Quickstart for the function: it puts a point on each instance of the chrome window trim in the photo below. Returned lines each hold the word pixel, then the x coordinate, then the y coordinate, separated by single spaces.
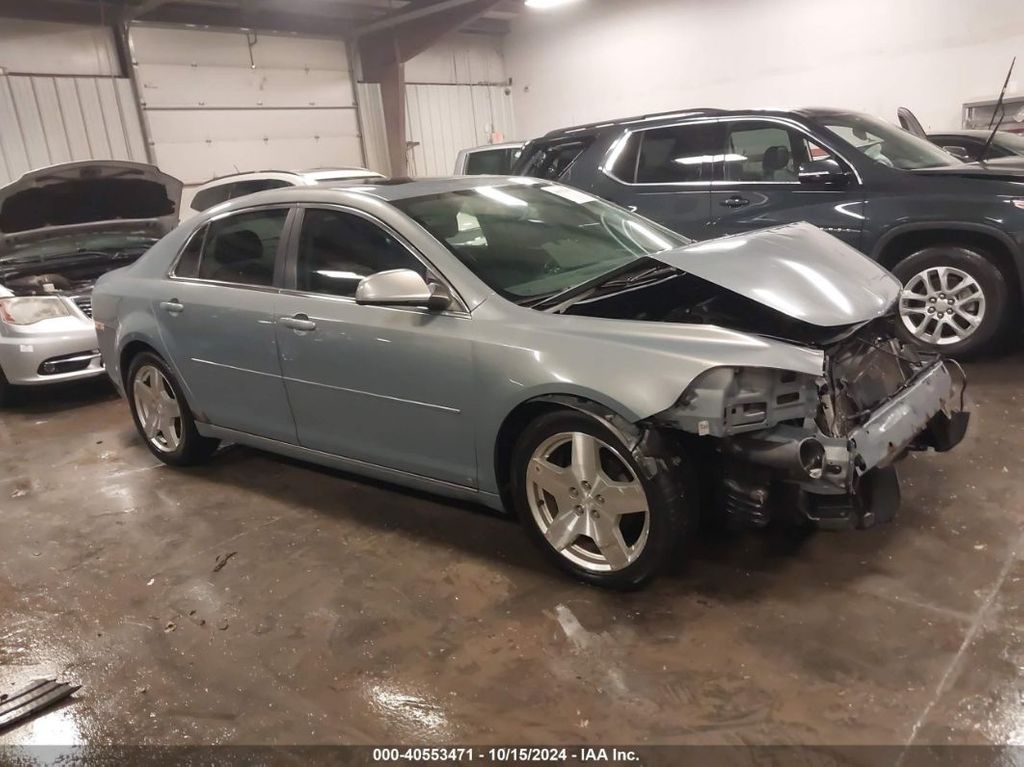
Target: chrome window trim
pixel 287 207
pixel 463 307
pixel 619 144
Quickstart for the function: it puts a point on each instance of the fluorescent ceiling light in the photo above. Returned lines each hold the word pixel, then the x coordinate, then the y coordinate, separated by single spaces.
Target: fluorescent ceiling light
pixel 544 4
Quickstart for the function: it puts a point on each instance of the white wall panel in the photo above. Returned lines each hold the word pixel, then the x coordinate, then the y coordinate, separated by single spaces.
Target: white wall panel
pixel 211 110
pixel 41 47
pixel 607 58
pixel 50 120
pixel 455 98
pixel 445 119
pixel 459 59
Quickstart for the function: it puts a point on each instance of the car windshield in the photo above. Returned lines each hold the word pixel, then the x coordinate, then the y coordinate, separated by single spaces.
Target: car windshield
pixel 527 239
pixel 886 144
pixel 1012 142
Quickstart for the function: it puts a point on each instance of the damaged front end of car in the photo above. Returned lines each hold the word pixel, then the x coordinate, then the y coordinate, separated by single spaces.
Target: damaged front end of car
pixel 819 448
pixel 823 449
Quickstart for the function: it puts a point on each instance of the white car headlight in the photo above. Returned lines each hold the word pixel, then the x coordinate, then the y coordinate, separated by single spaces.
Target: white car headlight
pixel 28 310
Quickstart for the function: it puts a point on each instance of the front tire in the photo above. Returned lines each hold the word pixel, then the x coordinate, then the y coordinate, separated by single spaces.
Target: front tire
pixel 584 500
pixel 162 416
pixel 6 391
pixel 954 300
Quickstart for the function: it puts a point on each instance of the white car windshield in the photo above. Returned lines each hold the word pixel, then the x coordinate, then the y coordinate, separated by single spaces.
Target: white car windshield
pixel 532 239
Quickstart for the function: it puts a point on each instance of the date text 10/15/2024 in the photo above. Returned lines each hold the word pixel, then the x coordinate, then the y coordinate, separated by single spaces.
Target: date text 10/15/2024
pixel 505 754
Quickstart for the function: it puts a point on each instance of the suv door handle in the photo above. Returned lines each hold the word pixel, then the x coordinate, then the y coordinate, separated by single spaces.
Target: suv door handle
pixel 298 322
pixel 735 202
pixel 172 306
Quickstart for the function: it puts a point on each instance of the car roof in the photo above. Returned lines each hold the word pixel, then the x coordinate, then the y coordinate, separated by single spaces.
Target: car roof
pixel 678 114
pixel 393 189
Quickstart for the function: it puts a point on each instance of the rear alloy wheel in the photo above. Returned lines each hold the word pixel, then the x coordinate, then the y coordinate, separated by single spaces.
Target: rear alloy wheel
pixel 585 501
pixel 162 415
pixel 954 300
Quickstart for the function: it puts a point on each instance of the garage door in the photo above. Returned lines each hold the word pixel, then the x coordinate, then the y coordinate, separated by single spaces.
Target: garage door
pixel 48 120
pixel 220 102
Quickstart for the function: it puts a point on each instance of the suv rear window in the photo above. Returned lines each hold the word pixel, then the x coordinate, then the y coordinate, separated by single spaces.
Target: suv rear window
pixel 553 161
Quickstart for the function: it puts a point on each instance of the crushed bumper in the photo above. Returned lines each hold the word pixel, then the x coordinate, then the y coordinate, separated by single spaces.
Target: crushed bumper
pixel 907 421
pixel 856 484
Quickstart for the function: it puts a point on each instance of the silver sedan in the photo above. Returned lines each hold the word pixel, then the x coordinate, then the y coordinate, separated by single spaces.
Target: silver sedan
pixel 533 348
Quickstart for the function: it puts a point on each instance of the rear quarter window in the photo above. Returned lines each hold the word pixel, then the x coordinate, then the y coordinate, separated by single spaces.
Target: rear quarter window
pixel 554 160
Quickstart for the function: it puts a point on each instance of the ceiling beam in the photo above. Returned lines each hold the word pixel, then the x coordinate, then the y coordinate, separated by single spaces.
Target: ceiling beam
pixel 407 15
pixel 133 12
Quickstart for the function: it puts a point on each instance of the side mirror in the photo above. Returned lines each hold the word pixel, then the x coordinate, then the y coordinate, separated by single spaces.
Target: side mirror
pixel 826 173
pixel 402 287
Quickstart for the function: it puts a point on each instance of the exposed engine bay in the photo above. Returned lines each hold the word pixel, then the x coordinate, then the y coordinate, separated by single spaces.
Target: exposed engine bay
pixel 822 448
pixel 73 274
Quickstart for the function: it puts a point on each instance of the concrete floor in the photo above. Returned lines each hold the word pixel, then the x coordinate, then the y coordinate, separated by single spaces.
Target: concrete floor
pixel 355 613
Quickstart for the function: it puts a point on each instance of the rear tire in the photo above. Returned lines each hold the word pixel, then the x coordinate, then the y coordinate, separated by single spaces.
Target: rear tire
pixel 955 300
pixel 581 496
pixel 162 415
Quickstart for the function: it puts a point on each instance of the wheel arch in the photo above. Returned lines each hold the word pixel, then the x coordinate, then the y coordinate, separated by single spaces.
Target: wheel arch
pixel 523 414
pixel 902 241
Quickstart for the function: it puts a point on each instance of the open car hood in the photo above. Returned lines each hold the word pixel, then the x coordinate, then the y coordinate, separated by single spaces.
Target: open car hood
pixel 796 269
pixel 89 196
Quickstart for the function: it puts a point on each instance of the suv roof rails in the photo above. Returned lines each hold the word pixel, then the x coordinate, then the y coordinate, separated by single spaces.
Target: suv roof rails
pixel 637 118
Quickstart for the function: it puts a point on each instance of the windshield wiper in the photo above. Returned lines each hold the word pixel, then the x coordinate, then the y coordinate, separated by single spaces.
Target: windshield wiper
pixel 561 296
pixel 997 112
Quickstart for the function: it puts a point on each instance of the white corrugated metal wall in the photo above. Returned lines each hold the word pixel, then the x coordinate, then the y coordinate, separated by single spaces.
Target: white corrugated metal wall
pixel 48 120
pixel 63 98
pixel 218 102
pixel 457 96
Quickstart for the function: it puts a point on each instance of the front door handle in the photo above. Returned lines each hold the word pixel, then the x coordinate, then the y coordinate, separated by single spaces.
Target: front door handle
pixel 172 306
pixel 298 322
pixel 735 201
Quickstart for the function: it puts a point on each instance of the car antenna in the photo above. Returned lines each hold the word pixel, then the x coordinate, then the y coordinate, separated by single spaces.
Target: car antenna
pixel 998 112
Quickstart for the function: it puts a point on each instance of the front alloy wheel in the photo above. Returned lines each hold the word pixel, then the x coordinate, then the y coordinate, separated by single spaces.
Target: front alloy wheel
pixel 942 305
pixel 580 494
pixel 587 502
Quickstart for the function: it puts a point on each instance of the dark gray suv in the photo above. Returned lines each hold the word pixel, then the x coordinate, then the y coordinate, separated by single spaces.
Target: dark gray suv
pixel 952 232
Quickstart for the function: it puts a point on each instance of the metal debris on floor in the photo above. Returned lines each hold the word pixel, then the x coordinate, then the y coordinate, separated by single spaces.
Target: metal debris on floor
pixel 222 559
pixel 36 697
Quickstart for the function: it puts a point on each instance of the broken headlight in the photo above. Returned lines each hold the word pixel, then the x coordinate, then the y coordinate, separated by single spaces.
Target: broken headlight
pixel 28 310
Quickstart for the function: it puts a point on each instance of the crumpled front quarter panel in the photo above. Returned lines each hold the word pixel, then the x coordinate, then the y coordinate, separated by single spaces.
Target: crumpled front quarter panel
pixel 636 369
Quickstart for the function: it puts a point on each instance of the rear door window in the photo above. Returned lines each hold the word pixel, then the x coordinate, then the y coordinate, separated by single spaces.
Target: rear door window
pixel 676 154
pixel 242 249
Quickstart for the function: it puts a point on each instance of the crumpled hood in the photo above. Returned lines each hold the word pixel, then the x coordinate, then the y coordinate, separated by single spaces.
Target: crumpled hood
pixel 796 269
pixel 90 196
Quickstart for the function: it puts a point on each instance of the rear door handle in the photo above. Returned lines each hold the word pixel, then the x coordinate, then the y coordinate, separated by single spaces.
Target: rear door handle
pixel 735 201
pixel 298 322
pixel 172 306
